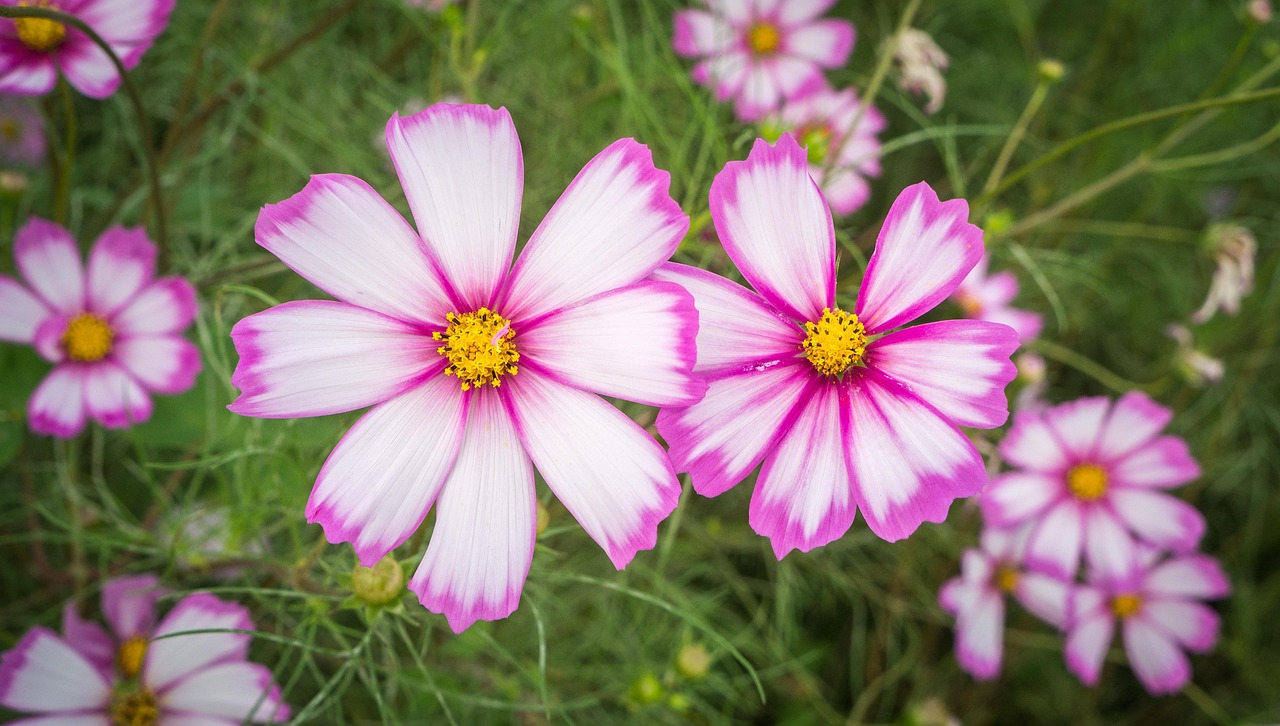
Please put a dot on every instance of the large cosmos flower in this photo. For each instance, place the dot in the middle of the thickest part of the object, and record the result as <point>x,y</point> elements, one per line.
<point>478,372</point>
<point>843,412</point>
<point>141,673</point>
<point>114,330</point>
<point>1089,474</point>
<point>34,50</point>
<point>761,52</point>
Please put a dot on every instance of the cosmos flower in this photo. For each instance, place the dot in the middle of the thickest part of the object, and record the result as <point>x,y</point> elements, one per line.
<point>840,161</point>
<point>1089,474</point>
<point>113,330</point>
<point>844,413</point>
<point>1160,615</point>
<point>920,63</point>
<point>761,52</point>
<point>1234,248</point>
<point>141,673</point>
<point>987,297</point>
<point>977,598</point>
<point>484,370</point>
<point>21,133</point>
<point>34,50</point>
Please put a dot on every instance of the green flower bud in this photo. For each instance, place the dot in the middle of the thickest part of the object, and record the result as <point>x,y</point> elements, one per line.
<point>380,584</point>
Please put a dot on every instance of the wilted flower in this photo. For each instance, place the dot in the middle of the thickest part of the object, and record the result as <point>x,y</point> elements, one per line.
<point>987,297</point>
<point>920,63</point>
<point>21,133</point>
<point>1233,248</point>
<point>760,52</point>
<point>1195,365</point>
<point>841,419</point>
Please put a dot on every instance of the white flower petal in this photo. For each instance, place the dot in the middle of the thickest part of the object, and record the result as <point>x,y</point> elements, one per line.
<point>21,312</point>
<point>121,262</point>
<point>171,659</point>
<point>50,262</point>
<point>240,691</point>
<point>43,674</point>
<point>1155,658</point>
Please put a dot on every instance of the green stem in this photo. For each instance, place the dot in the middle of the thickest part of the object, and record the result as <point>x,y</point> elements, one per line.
<point>1085,365</point>
<point>1015,136</point>
<point>62,192</point>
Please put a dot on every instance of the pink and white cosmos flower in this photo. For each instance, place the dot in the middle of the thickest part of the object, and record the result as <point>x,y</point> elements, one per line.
<point>1089,474</point>
<point>34,50</point>
<point>977,598</point>
<point>141,673</point>
<point>840,160</point>
<point>1160,615</point>
<point>761,52</point>
<point>483,370</point>
<point>843,412</point>
<point>113,330</point>
<point>987,297</point>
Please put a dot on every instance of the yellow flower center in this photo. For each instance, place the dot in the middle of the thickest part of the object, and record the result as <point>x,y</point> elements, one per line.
<point>834,343</point>
<point>1087,481</point>
<point>40,34</point>
<point>1126,605</point>
<point>129,657</point>
<point>136,709</point>
<point>1006,578</point>
<point>763,38</point>
<point>480,347</point>
<point>87,338</point>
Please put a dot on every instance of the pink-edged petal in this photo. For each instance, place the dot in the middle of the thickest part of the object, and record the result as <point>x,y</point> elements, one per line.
<point>1003,543</point>
<point>804,498</point>
<point>197,719</point>
<point>736,329</point>
<point>1054,547</point>
<point>48,337</point>
<point>720,439</point>
<point>795,12</point>
<point>341,235</point>
<point>1163,463</point>
<point>725,73</point>
<point>777,228</point>
<point>735,12</point>
<point>908,462</point>
<point>167,305</point>
<point>175,653</point>
<point>21,312</point>
<point>1044,596</point>
<point>826,42</point>
<point>1087,644</point>
<point>636,343</point>
<point>43,674</point>
<point>1026,324</point>
<point>1077,425</point>
<point>377,485</point>
<point>699,33</point>
<point>163,363</point>
<point>1018,496</point>
<point>67,719</point>
<point>1030,444</point>
<point>239,691</point>
<point>606,470</point>
<point>1155,658</point>
<point>482,545</point>
<point>113,398</point>
<point>129,604</point>
<point>1158,518</point>
<point>1193,625</point>
<point>794,77</point>
<point>923,251</point>
<point>1189,576</point>
<point>89,638</point>
<point>57,406</point>
<point>50,262</point>
<point>960,594</point>
<point>87,67</point>
<point>25,72</point>
<point>463,174</point>
<point>980,636</point>
<point>961,367</point>
<point>845,189</point>
<point>759,94</point>
<point>121,262</point>
<point>129,26</point>
<point>317,357</point>
<point>977,567</point>
<point>1107,546</point>
<point>1085,602</point>
<point>1134,420</point>
<point>612,227</point>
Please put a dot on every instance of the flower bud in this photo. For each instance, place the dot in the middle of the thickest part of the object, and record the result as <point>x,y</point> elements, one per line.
<point>380,584</point>
<point>693,661</point>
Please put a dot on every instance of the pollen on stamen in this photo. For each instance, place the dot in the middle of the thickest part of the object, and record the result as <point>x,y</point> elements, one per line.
<point>1087,482</point>
<point>87,338</point>
<point>836,342</point>
<point>1125,606</point>
<point>39,34</point>
<point>480,348</point>
<point>763,39</point>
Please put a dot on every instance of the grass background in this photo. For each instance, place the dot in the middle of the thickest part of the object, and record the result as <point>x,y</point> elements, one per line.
<point>245,100</point>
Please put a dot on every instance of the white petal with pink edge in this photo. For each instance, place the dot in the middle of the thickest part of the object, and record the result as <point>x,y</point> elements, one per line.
<point>980,636</point>
<point>1134,420</point>
<point>88,68</point>
<point>377,485</point>
<point>89,638</point>
<point>196,719</point>
<point>49,261</point>
<point>339,234</point>
<point>121,262</point>
<point>759,93</point>
<point>482,544</point>
<point>736,329</point>
<point>826,42</point>
<point>908,462</point>
<point>720,439</point>
<point>1030,444</point>
<point>167,305</point>
<point>1044,596</point>
<point>78,719</point>
<point>129,604</point>
<point>313,357</point>
<point>23,71</point>
<point>173,658</point>
<point>1054,547</point>
<point>163,363</point>
<point>636,343</point>
<point>725,74</point>
<point>1163,463</point>
<point>1017,496</point>
<point>612,227</point>
<point>1155,658</point>
<point>804,498</point>
<point>113,398</point>
<point>57,406</point>
<point>1087,643</point>
<point>240,691</point>
<point>1107,546</point>
<point>1158,518</point>
<point>606,470</point>
<point>699,33</point>
<point>775,225</point>
<point>924,250</point>
<point>463,174</point>
<point>23,312</point>
<point>1077,426</point>
<point>129,26</point>
<point>42,673</point>
<point>1193,625</point>
<point>961,367</point>
<point>1189,576</point>
<point>959,594</point>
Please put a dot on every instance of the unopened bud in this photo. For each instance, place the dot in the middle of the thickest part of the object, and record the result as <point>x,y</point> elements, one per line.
<point>646,689</point>
<point>693,662</point>
<point>380,584</point>
<point>1051,70</point>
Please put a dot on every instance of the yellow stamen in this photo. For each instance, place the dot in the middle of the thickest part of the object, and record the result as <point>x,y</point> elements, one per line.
<point>834,343</point>
<point>763,39</point>
<point>1006,578</point>
<point>1087,481</point>
<point>136,709</point>
<point>1126,605</point>
<point>87,338</point>
<point>129,657</point>
<point>40,34</point>
<point>480,348</point>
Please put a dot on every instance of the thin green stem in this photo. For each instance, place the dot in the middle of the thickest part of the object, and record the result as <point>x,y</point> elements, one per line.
<point>1015,137</point>
<point>1219,156</point>
<point>62,192</point>
<point>1085,365</point>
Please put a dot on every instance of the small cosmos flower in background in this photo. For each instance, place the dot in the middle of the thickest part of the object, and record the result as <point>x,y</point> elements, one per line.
<point>484,370</point>
<point>33,51</point>
<point>22,141</point>
<point>982,296</point>
<point>113,330</point>
<point>790,372</point>
<point>759,53</point>
<point>138,672</point>
<point>1233,248</point>
<point>920,63</point>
